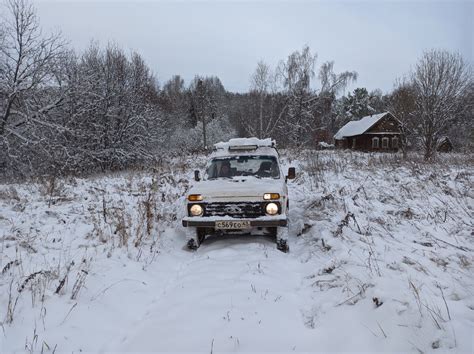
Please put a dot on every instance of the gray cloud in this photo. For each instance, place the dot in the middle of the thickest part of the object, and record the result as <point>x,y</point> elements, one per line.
<point>380,40</point>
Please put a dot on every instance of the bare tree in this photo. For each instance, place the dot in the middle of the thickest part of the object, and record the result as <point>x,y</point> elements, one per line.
<point>207,96</point>
<point>260,83</point>
<point>402,105</point>
<point>309,112</point>
<point>283,104</point>
<point>332,82</point>
<point>439,80</point>
<point>331,86</point>
<point>258,116</point>
<point>462,132</point>
<point>173,94</point>
<point>296,74</point>
<point>28,66</point>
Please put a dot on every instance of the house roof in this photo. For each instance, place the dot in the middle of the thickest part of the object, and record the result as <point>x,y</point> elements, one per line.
<point>444,139</point>
<point>358,127</point>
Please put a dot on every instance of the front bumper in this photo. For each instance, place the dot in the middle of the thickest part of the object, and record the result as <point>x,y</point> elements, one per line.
<point>211,222</point>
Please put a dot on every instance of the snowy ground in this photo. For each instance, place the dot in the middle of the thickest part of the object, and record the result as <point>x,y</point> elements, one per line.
<point>381,259</point>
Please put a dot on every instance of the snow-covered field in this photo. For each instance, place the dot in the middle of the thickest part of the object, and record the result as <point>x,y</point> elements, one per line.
<point>381,259</point>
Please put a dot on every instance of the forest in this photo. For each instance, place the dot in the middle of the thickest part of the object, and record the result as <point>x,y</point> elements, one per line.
<point>67,112</point>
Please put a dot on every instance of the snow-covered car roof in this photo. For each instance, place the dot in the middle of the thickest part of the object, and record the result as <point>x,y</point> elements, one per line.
<point>240,142</point>
<point>245,146</point>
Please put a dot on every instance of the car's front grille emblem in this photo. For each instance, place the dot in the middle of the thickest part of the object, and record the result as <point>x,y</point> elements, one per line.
<point>236,210</point>
<point>233,209</point>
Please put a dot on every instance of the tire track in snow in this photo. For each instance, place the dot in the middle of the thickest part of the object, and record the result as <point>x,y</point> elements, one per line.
<point>235,292</point>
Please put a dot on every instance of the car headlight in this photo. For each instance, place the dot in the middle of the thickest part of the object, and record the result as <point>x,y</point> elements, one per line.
<point>270,196</point>
<point>271,209</point>
<point>196,210</point>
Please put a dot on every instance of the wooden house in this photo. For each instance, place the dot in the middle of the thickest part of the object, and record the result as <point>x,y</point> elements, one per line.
<point>445,145</point>
<point>378,132</point>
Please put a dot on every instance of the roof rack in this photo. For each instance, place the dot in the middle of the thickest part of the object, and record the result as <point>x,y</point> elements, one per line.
<point>243,144</point>
<point>242,147</point>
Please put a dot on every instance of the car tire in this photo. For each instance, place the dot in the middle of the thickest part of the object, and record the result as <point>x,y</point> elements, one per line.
<point>282,245</point>
<point>200,235</point>
<point>281,236</point>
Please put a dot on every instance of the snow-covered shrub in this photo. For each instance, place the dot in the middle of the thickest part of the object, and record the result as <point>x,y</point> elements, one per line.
<point>218,129</point>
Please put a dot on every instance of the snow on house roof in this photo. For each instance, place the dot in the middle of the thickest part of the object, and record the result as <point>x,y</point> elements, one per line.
<point>444,139</point>
<point>358,127</point>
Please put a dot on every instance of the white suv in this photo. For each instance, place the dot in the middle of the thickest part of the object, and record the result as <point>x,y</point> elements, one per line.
<point>243,191</point>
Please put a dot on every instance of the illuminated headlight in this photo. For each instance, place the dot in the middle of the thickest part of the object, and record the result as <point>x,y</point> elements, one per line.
<point>270,196</point>
<point>271,209</point>
<point>196,210</point>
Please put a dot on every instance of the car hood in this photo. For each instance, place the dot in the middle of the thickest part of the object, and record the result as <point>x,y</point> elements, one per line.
<point>247,187</point>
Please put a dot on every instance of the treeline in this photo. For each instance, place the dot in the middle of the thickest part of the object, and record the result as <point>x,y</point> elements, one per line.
<point>64,112</point>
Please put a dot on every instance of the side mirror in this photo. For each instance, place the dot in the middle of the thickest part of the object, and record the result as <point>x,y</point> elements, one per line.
<point>291,173</point>
<point>197,176</point>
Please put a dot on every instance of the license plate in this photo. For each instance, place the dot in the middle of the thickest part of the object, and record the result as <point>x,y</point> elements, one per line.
<point>233,225</point>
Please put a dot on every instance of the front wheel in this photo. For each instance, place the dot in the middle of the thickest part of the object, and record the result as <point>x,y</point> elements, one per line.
<point>281,235</point>
<point>282,245</point>
<point>196,238</point>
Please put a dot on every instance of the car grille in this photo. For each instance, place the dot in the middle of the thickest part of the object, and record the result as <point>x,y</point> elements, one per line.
<point>236,210</point>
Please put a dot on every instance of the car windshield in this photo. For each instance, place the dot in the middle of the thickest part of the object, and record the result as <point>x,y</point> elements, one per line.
<point>257,166</point>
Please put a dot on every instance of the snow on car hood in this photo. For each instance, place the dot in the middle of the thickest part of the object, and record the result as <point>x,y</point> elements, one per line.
<point>238,187</point>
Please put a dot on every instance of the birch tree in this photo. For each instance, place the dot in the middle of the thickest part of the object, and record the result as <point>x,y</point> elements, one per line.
<point>332,84</point>
<point>309,110</point>
<point>260,84</point>
<point>283,104</point>
<point>258,107</point>
<point>296,74</point>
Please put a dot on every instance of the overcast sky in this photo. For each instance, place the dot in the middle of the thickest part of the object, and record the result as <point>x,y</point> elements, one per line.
<point>380,40</point>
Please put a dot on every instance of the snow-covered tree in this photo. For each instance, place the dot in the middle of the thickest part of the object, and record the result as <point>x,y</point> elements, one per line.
<point>284,104</point>
<point>260,84</point>
<point>296,74</point>
<point>257,108</point>
<point>184,139</point>
<point>111,109</point>
<point>440,81</point>
<point>29,85</point>
<point>207,102</point>
<point>357,104</point>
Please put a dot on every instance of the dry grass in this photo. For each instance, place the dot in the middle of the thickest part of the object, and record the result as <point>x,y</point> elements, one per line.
<point>9,194</point>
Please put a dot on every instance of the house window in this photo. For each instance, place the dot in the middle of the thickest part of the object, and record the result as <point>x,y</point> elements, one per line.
<point>384,143</point>
<point>395,142</point>
<point>375,143</point>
